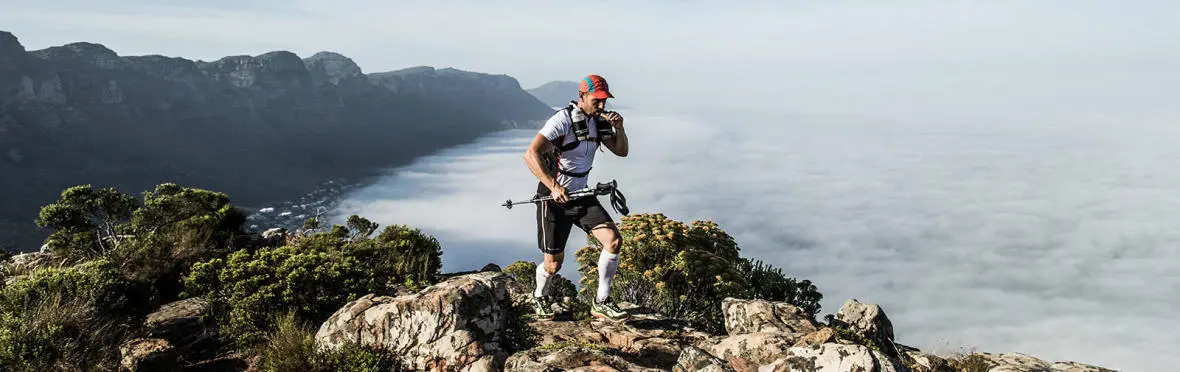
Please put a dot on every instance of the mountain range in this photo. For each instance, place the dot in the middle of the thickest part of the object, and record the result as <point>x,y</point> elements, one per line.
<point>261,128</point>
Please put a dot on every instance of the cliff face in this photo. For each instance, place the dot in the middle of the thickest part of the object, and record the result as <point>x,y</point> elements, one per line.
<point>259,127</point>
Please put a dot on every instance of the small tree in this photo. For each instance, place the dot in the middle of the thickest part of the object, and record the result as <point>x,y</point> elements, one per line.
<point>86,221</point>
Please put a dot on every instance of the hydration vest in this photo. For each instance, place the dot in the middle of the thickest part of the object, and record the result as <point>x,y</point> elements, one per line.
<point>551,160</point>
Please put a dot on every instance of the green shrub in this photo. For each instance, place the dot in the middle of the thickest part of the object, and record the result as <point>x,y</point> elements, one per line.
<point>56,333</point>
<point>98,283</point>
<point>291,347</point>
<point>154,241</point>
<point>314,277</point>
<point>70,318</point>
<point>176,227</point>
<point>769,283</point>
<point>686,271</point>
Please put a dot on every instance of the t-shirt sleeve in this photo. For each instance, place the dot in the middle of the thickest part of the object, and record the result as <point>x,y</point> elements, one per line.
<point>555,127</point>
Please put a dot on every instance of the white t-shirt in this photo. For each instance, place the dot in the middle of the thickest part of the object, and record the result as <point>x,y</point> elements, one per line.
<point>578,160</point>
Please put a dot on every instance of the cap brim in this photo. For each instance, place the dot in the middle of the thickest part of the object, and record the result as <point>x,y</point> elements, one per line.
<point>601,95</point>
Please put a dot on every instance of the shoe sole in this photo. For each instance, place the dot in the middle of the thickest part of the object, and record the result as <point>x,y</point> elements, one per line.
<point>604,317</point>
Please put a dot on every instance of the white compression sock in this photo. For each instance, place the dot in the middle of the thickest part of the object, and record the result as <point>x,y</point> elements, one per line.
<point>542,280</point>
<point>608,263</point>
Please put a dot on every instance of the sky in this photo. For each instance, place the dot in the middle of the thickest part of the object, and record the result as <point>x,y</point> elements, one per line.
<point>994,173</point>
<point>1092,60</point>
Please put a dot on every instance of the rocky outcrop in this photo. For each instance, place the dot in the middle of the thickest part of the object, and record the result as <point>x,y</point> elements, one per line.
<point>747,352</point>
<point>572,358</point>
<point>329,67</point>
<point>186,325</point>
<point>751,316</point>
<point>461,324</point>
<point>834,357</point>
<point>262,128</point>
<point>869,321</point>
<point>20,265</point>
<point>454,325</point>
<point>694,359</point>
<point>1018,362</point>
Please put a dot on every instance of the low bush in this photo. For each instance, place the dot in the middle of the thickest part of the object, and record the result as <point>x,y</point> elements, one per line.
<point>313,277</point>
<point>685,271</point>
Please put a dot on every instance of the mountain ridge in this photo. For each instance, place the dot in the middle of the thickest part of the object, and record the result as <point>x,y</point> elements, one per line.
<point>263,127</point>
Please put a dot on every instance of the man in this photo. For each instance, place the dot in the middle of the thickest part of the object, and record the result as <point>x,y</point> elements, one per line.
<point>574,159</point>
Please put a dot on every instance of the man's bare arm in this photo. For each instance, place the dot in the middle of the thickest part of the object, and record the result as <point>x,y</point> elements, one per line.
<point>532,157</point>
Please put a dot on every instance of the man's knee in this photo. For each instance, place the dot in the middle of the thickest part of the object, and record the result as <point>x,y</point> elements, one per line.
<point>609,236</point>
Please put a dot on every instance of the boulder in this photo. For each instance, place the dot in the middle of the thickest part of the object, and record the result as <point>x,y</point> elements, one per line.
<point>834,358</point>
<point>570,358</point>
<point>752,316</point>
<point>694,359</point>
<point>457,324</point>
<point>869,321</point>
<point>184,324</point>
<point>822,336</point>
<point>148,354</point>
<point>748,352</point>
<point>275,234</point>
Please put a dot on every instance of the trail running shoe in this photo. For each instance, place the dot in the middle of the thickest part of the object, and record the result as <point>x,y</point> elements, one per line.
<point>542,307</point>
<point>607,310</point>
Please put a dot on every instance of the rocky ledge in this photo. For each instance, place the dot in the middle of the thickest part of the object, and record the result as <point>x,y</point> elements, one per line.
<point>473,322</point>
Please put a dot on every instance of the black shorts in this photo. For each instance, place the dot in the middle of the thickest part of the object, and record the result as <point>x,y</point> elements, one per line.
<point>554,221</point>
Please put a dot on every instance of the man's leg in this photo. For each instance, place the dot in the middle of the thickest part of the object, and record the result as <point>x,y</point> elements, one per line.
<point>553,230</point>
<point>599,224</point>
<point>608,261</point>
<point>545,271</point>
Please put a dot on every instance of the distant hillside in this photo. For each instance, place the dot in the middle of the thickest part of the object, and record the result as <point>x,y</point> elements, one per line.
<point>261,128</point>
<point>556,93</point>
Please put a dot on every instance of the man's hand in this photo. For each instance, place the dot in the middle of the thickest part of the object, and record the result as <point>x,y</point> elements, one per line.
<point>614,118</point>
<point>558,194</point>
<point>617,145</point>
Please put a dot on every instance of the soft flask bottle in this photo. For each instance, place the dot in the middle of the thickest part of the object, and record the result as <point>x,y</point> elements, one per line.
<point>580,127</point>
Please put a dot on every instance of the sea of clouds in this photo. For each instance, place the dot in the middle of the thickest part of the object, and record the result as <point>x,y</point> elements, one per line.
<point>1053,239</point>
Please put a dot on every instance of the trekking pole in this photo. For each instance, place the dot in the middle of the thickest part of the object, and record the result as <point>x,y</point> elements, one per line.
<point>601,189</point>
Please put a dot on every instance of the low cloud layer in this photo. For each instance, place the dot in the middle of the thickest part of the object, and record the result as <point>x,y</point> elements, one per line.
<point>1018,237</point>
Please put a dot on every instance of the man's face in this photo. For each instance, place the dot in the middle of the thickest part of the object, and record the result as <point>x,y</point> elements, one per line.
<point>591,105</point>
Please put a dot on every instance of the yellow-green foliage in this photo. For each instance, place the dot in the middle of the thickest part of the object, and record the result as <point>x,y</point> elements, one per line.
<point>313,277</point>
<point>683,271</point>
